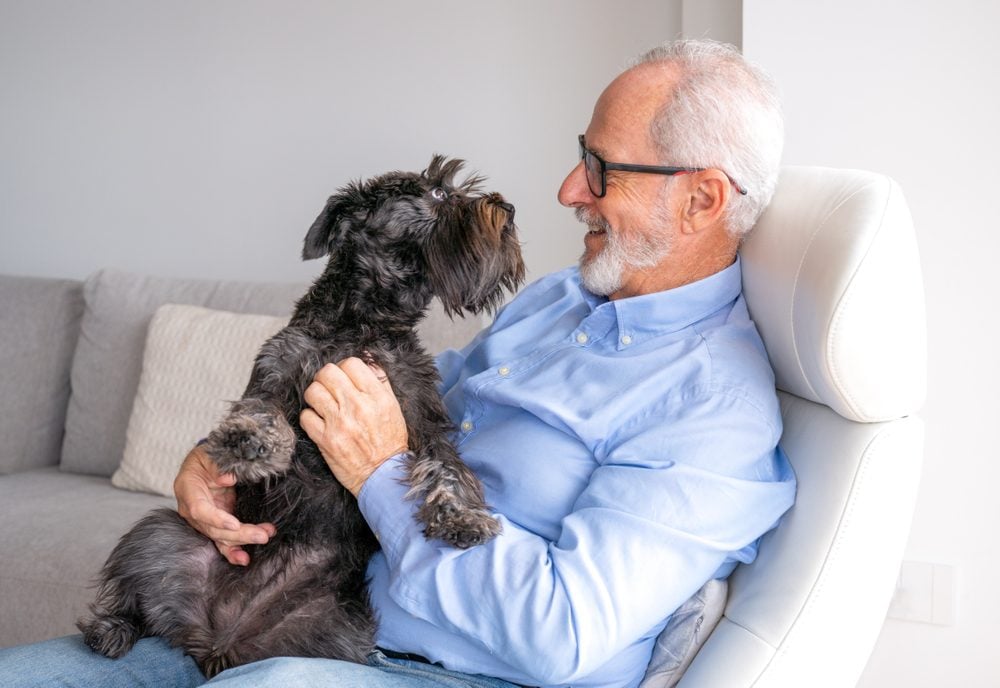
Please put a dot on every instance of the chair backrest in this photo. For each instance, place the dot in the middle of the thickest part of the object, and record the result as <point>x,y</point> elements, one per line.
<point>832,279</point>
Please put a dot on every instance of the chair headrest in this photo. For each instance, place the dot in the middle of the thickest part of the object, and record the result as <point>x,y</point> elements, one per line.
<point>832,278</point>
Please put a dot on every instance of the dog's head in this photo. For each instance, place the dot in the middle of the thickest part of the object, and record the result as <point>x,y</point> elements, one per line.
<point>421,235</point>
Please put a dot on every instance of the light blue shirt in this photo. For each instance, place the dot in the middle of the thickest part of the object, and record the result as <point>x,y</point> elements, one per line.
<point>629,449</point>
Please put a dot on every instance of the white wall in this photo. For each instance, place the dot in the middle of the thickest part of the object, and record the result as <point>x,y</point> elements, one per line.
<point>909,88</point>
<point>202,138</point>
<point>720,20</point>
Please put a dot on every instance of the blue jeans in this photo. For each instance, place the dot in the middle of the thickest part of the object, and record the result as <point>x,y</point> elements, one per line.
<point>153,663</point>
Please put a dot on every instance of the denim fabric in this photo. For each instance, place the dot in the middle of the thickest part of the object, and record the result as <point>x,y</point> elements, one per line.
<point>380,672</point>
<point>67,662</point>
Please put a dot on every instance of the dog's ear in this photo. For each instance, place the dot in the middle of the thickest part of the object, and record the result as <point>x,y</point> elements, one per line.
<point>443,169</point>
<point>329,229</point>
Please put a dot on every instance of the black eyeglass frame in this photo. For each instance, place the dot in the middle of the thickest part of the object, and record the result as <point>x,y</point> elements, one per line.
<point>628,167</point>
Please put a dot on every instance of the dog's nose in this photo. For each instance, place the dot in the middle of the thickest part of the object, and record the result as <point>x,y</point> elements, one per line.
<point>509,208</point>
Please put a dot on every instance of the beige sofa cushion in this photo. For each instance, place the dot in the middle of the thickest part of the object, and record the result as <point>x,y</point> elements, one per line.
<point>196,361</point>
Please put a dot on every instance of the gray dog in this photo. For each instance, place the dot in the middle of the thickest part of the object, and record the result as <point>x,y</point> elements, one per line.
<point>394,241</point>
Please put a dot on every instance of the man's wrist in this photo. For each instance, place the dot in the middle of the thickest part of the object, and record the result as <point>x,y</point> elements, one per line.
<point>399,455</point>
<point>383,498</point>
<point>355,488</point>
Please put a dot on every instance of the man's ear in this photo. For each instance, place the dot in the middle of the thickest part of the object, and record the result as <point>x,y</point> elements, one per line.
<point>707,201</point>
<point>329,229</point>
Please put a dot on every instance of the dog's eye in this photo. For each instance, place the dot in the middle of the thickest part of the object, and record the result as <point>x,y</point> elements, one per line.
<point>438,194</point>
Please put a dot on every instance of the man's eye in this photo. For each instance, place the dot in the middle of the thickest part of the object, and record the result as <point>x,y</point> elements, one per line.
<point>438,194</point>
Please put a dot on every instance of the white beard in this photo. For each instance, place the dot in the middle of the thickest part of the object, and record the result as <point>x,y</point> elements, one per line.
<point>604,273</point>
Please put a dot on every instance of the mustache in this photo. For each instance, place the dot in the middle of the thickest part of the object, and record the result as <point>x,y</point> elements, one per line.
<point>592,219</point>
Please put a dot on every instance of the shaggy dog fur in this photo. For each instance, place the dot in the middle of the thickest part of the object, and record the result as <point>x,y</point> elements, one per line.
<point>394,242</point>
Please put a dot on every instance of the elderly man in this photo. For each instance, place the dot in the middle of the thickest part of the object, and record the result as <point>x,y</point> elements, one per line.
<point>621,415</point>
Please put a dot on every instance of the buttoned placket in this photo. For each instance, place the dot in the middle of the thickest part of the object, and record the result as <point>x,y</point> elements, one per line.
<point>474,409</point>
<point>595,327</point>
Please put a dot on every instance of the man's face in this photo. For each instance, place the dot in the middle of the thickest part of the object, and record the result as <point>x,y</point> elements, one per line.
<point>612,255</point>
<point>631,227</point>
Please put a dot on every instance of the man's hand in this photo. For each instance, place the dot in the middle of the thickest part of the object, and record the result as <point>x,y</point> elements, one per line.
<point>206,498</point>
<point>355,420</point>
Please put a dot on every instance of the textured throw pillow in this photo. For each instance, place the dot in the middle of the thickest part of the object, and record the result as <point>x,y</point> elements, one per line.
<point>686,632</point>
<point>196,361</point>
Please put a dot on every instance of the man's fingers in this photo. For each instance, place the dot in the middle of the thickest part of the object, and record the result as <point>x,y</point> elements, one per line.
<point>231,546</point>
<point>249,534</point>
<point>209,516</point>
<point>319,398</point>
<point>368,378</point>
<point>233,554</point>
<point>225,480</point>
<point>351,374</point>
<point>224,528</point>
<point>205,499</point>
<point>312,423</point>
<point>332,380</point>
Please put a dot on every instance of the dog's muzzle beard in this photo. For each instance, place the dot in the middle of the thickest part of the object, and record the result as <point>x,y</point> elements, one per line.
<point>472,259</point>
<point>495,212</point>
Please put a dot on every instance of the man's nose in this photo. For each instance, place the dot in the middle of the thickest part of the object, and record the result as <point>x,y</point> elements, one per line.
<point>574,190</point>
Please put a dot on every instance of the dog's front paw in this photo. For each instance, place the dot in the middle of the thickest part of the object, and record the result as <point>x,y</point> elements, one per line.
<point>458,526</point>
<point>112,636</point>
<point>254,441</point>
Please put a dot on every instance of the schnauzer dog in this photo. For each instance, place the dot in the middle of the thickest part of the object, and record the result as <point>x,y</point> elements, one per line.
<point>394,242</point>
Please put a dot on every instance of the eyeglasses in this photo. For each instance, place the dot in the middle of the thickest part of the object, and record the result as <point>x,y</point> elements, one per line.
<point>597,170</point>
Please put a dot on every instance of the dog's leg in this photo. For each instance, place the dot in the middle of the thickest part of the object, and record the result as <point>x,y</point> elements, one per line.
<point>147,585</point>
<point>254,437</point>
<point>114,624</point>
<point>453,508</point>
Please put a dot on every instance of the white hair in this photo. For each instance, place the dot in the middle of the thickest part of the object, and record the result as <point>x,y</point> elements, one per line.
<point>724,113</point>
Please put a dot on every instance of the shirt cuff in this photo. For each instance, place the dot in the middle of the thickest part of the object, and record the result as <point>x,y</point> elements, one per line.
<point>384,504</point>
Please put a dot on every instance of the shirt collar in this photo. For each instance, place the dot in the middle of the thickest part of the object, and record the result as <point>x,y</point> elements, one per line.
<point>640,318</point>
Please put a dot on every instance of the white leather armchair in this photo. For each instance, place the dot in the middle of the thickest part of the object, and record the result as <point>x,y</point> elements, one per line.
<point>832,279</point>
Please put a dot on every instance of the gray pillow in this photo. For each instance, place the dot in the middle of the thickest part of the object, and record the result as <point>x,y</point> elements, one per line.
<point>108,358</point>
<point>39,324</point>
<point>685,633</point>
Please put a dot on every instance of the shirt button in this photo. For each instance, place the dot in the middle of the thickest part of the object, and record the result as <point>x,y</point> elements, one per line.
<point>582,338</point>
<point>467,425</point>
<point>626,340</point>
